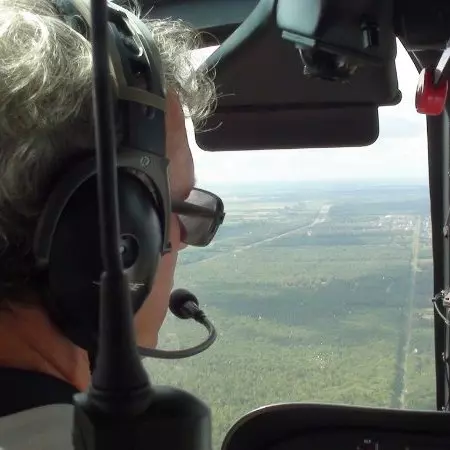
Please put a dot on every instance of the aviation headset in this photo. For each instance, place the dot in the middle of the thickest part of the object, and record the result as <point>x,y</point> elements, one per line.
<point>66,242</point>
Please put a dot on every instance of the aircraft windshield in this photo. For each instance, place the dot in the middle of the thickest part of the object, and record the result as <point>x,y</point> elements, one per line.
<point>319,281</point>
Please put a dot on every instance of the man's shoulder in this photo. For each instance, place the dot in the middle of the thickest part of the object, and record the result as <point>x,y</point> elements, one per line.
<point>45,427</point>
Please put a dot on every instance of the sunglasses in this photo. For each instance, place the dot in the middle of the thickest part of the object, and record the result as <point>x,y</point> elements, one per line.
<point>200,216</point>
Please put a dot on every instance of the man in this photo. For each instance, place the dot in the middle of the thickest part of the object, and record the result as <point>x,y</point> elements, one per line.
<point>45,118</point>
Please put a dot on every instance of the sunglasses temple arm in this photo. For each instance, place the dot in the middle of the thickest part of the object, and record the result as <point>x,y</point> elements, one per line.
<point>188,209</point>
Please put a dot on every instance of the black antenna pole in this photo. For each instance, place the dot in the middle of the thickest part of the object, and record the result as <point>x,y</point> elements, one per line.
<point>121,410</point>
<point>118,364</point>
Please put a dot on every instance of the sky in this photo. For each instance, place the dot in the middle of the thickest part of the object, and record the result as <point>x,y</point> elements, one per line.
<point>390,158</point>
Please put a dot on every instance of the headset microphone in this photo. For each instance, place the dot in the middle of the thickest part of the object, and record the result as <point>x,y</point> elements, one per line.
<point>184,305</point>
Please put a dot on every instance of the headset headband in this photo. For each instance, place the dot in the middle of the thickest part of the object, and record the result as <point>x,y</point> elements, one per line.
<point>66,242</point>
<point>143,41</point>
<point>145,151</point>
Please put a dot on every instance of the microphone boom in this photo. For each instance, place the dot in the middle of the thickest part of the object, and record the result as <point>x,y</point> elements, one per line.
<point>184,305</point>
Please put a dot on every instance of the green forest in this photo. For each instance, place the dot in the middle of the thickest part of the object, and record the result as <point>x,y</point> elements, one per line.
<point>319,294</point>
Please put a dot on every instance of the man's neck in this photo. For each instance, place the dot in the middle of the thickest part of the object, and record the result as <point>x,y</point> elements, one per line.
<point>28,340</point>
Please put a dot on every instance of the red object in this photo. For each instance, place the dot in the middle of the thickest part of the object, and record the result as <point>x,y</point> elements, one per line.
<point>430,98</point>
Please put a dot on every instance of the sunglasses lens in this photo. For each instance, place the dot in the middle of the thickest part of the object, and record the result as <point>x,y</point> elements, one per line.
<point>199,230</point>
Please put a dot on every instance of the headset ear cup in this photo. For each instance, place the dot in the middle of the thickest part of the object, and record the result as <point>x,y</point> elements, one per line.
<point>75,263</point>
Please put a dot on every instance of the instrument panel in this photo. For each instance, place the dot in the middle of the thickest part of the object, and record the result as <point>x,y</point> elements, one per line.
<point>362,440</point>
<point>297,426</point>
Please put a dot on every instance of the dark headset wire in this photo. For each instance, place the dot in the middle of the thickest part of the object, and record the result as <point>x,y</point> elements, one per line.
<point>185,353</point>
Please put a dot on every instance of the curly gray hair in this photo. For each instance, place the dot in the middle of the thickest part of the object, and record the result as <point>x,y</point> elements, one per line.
<point>46,113</point>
